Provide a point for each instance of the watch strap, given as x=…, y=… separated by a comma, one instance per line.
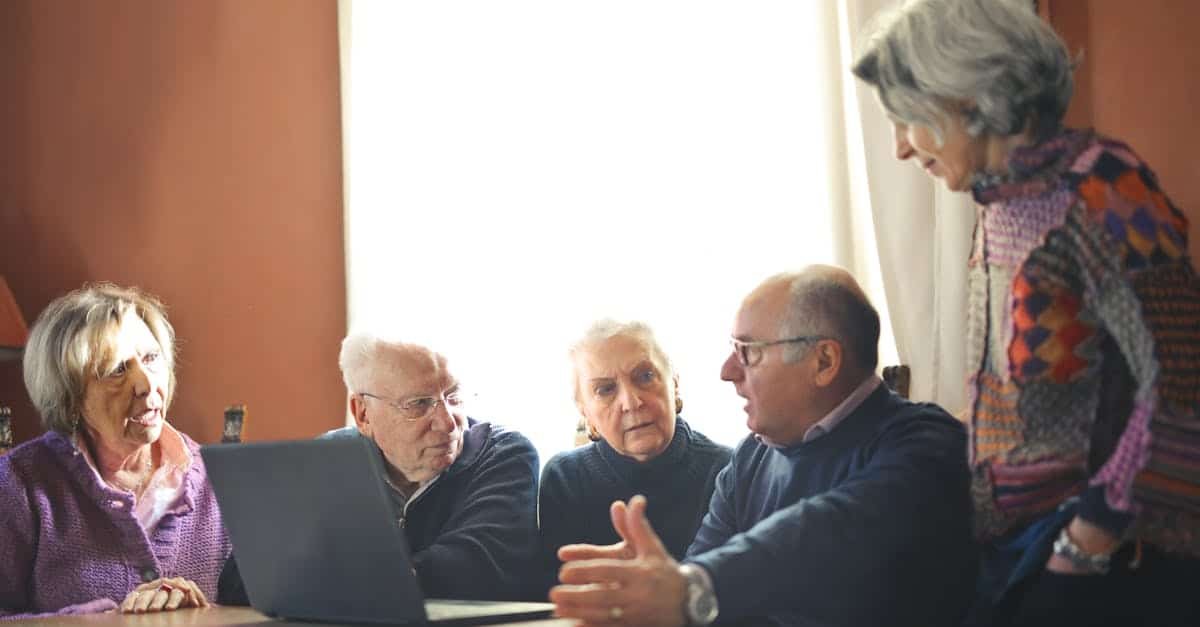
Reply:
x=1096, y=563
x=699, y=594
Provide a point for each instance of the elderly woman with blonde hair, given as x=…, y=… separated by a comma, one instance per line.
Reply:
x=110, y=508
x=628, y=394
x=1083, y=322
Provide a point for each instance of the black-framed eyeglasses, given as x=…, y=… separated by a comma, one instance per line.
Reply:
x=750, y=353
x=420, y=407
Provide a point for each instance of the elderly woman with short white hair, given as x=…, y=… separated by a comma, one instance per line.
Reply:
x=1084, y=322
x=111, y=507
x=628, y=394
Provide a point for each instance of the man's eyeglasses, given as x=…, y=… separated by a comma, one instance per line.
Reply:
x=750, y=353
x=415, y=409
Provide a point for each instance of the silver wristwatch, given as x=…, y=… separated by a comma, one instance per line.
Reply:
x=700, y=605
x=1087, y=562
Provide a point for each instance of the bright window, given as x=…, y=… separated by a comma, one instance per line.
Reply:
x=517, y=170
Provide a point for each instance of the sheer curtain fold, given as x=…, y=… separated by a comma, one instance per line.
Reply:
x=920, y=232
x=515, y=170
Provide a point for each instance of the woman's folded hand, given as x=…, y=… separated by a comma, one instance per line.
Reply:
x=163, y=595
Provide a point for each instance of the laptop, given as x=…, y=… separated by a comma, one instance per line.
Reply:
x=317, y=537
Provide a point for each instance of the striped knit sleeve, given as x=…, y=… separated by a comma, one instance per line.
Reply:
x=1143, y=290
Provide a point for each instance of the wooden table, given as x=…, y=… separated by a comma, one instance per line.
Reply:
x=218, y=616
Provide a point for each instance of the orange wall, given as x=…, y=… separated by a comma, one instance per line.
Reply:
x=1139, y=82
x=193, y=149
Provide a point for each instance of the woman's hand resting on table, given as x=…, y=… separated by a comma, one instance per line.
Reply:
x=163, y=595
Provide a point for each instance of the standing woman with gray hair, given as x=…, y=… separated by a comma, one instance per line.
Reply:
x=1084, y=323
x=112, y=504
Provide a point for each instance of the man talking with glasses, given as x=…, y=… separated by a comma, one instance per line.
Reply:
x=847, y=505
x=465, y=491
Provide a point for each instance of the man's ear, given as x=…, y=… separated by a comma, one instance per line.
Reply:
x=678, y=398
x=830, y=358
x=358, y=409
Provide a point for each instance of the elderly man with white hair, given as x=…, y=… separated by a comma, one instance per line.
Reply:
x=465, y=490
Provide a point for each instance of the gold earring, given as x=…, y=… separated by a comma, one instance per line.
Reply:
x=593, y=435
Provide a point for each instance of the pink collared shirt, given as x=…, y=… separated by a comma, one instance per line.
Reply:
x=164, y=490
x=845, y=408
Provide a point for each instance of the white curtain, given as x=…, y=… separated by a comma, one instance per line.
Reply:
x=922, y=233
x=515, y=170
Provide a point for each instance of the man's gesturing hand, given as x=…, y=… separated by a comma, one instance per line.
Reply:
x=634, y=581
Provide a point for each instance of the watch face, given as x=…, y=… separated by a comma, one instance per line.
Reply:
x=702, y=606
x=704, y=609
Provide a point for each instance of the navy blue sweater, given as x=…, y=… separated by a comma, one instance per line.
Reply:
x=578, y=486
x=866, y=525
x=473, y=533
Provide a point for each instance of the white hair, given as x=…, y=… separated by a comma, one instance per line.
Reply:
x=367, y=358
x=608, y=328
x=357, y=359
x=925, y=56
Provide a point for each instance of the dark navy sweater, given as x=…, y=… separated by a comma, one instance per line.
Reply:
x=578, y=486
x=866, y=525
x=473, y=532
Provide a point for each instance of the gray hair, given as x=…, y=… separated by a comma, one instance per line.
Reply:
x=926, y=55
x=361, y=362
x=72, y=340
x=608, y=328
x=826, y=307
x=357, y=359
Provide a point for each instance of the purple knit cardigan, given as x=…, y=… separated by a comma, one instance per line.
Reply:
x=70, y=544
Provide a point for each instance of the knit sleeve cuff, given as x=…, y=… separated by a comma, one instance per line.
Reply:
x=1095, y=509
x=96, y=605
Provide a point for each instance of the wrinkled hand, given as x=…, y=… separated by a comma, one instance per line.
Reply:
x=637, y=576
x=163, y=595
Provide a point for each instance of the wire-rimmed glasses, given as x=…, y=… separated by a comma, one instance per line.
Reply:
x=420, y=407
x=750, y=353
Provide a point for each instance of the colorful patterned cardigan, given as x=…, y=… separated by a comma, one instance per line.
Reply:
x=1084, y=337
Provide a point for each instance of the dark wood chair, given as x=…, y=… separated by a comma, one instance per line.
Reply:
x=898, y=379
